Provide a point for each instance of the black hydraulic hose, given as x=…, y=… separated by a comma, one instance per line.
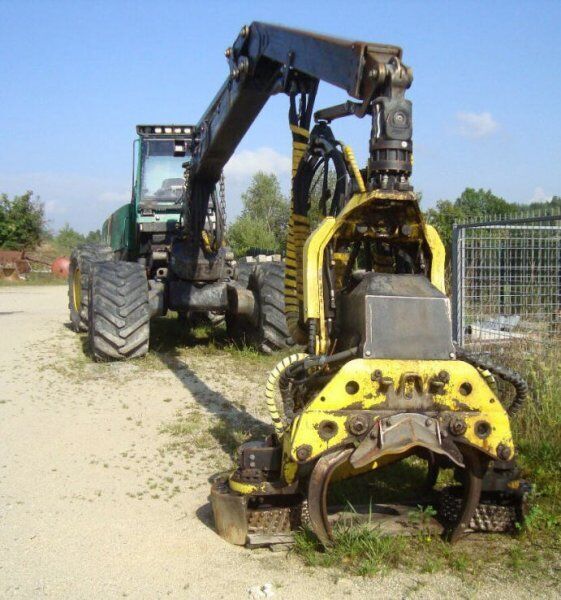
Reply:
x=519, y=384
x=289, y=375
x=312, y=326
x=319, y=361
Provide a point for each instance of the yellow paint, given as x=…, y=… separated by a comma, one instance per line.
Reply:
x=438, y=257
x=329, y=229
x=314, y=249
x=351, y=162
x=334, y=402
x=77, y=290
x=245, y=488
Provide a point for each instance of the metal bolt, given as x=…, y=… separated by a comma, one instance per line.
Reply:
x=303, y=452
x=245, y=31
x=367, y=353
x=388, y=422
x=457, y=426
x=428, y=422
x=444, y=376
x=503, y=452
x=228, y=52
x=358, y=424
x=376, y=375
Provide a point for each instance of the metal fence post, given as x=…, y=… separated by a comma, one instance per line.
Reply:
x=457, y=282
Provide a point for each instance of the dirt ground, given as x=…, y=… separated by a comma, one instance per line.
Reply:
x=101, y=496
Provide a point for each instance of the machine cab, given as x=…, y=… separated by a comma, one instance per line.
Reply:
x=156, y=203
x=160, y=152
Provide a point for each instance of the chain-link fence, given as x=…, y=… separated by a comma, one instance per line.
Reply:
x=506, y=280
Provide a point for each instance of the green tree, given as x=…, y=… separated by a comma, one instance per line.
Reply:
x=481, y=202
x=553, y=204
x=264, y=218
x=93, y=237
x=67, y=238
x=264, y=201
x=443, y=216
x=22, y=221
x=471, y=203
x=247, y=233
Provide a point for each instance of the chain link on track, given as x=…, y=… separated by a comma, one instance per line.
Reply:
x=278, y=520
x=489, y=517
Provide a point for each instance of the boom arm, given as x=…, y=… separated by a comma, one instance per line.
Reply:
x=268, y=59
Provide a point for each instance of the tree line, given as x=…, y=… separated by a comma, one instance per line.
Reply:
x=23, y=226
x=264, y=217
x=260, y=228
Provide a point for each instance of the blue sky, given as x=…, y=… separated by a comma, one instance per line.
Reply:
x=76, y=77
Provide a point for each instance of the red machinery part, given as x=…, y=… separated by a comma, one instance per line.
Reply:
x=60, y=267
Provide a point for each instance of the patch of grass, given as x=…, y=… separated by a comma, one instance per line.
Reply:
x=34, y=278
x=362, y=550
x=230, y=435
x=358, y=550
x=171, y=337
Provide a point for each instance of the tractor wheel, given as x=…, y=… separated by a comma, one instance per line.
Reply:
x=119, y=311
x=245, y=269
x=271, y=332
x=81, y=260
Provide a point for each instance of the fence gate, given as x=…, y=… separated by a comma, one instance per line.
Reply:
x=506, y=283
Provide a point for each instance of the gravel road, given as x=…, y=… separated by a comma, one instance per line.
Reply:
x=99, y=500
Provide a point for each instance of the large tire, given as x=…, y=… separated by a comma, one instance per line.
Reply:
x=81, y=260
x=266, y=282
x=245, y=269
x=119, y=311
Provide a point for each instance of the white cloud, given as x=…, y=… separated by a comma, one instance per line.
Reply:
x=540, y=195
x=53, y=208
x=249, y=162
x=244, y=164
x=475, y=125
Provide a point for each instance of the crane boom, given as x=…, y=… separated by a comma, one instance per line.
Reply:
x=269, y=59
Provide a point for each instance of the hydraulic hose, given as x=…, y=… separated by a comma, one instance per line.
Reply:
x=310, y=362
x=280, y=378
x=512, y=377
x=353, y=167
x=276, y=408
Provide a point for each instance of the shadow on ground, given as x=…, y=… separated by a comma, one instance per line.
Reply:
x=167, y=340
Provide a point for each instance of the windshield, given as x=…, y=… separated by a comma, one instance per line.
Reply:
x=162, y=173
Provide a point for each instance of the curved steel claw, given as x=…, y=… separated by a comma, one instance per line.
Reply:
x=317, y=492
x=432, y=472
x=474, y=470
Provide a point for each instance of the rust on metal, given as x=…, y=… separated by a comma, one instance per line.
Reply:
x=13, y=264
x=317, y=492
